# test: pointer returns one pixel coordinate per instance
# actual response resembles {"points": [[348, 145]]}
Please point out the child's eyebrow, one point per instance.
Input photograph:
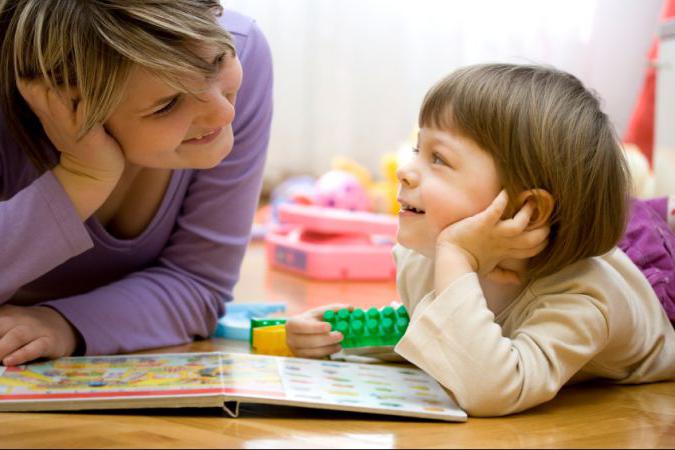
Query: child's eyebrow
{"points": [[443, 146]]}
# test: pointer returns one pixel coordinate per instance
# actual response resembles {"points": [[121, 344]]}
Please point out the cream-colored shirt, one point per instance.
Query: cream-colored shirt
{"points": [[597, 318]]}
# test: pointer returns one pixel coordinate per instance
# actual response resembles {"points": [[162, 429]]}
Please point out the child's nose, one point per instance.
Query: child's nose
{"points": [[407, 176]]}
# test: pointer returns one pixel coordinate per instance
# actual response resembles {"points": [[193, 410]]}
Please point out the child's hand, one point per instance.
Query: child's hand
{"points": [[28, 333], [481, 242], [308, 336]]}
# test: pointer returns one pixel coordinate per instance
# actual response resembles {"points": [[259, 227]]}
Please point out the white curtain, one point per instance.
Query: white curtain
{"points": [[350, 74]]}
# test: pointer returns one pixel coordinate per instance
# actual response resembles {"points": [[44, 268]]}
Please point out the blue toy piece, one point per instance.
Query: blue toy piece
{"points": [[236, 324]]}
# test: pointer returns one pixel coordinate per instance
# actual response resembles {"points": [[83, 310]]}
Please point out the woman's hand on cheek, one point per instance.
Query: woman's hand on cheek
{"points": [[96, 154], [28, 333], [90, 166], [481, 242]]}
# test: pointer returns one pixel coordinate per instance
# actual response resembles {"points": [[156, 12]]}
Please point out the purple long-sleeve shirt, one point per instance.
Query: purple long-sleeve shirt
{"points": [[169, 284]]}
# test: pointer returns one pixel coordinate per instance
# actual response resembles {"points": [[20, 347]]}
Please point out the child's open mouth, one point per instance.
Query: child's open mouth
{"points": [[411, 209]]}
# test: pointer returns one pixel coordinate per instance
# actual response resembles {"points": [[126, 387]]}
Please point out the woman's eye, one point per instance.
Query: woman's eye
{"points": [[167, 108], [219, 60], [415, 150]]}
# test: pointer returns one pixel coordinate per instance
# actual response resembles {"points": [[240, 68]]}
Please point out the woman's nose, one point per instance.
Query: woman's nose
{"points": [[218, 109]]}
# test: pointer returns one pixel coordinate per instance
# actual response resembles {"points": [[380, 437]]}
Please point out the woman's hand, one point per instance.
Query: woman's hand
{"points": [[308, 336], [89, 167], [481, 242], [28, 333]]}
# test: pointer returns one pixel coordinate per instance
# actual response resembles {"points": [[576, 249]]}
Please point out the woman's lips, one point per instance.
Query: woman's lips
{"points": [[204, 139]]}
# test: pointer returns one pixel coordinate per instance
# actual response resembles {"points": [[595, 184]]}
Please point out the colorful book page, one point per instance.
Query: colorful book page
{"points": [[142, 376], [229, 376], [363, 386]]}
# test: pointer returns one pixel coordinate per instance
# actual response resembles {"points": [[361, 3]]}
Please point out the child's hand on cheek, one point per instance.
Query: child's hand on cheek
{"points": [[481, 242], [28, 333], [308, 336]]}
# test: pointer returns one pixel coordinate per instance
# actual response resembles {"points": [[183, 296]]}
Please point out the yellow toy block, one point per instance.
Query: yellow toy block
{"points": [[270, 341]]}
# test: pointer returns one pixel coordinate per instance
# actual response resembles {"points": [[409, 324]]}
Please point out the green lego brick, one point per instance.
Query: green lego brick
{"points": [[374, 327], [263, 322]]}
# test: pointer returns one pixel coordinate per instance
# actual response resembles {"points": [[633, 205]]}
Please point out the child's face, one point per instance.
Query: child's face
{"points": [[156, 126], [448, 179]]}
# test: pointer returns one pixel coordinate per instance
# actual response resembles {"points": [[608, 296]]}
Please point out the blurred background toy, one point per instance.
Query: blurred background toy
{"points": [[642, 176], [332, 244], [236, 323], [342, 190]]}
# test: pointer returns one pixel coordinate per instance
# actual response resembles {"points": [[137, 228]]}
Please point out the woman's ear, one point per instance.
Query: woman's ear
{"points": [[543, 203]]}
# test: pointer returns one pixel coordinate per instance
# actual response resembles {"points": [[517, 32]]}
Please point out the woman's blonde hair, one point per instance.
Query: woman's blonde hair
{"points": [[91, 45], [544, 131]]}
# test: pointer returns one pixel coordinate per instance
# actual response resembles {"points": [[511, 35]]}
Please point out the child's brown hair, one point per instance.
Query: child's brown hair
{"points": [[545, 130]]}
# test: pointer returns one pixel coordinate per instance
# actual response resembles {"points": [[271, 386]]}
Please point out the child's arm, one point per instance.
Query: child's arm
{"points": [[495, 371]]}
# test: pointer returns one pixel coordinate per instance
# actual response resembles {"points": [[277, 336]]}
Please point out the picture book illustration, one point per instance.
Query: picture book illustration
{"points": [[142, 375], [398, 390]]}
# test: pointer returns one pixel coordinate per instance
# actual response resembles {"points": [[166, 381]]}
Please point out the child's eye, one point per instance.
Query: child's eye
{"points": [[166, 109], [435, 159], [415, 149]]}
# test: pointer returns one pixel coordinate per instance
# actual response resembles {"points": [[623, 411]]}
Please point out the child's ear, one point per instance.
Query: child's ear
{"points": [[543, 203]]}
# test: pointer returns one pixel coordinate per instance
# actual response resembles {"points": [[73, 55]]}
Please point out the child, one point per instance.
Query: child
{"points": [[127, 187], [512, 207]]}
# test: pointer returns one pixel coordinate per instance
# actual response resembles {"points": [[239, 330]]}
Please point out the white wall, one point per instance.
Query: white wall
{"points": [[350, 74]]}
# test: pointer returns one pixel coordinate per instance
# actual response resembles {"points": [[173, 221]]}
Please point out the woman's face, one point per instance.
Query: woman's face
{"points": [[159, 127]]}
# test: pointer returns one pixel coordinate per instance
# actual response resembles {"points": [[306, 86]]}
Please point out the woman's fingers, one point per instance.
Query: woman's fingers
{"points": [[33, 350], [14, 339], [35, 94]]}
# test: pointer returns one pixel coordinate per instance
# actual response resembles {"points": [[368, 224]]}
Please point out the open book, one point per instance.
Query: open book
{"points": [[222, 380]]}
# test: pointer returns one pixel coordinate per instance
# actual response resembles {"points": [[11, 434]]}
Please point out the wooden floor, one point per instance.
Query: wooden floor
{"points": [[583, 416]]}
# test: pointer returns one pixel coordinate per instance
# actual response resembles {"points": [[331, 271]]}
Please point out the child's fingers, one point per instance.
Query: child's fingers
{"points": [[519, 222], [495, 211], [317, 352], [531, 239], [33, 350], [528, 252], [310, 341], [300, 325]]}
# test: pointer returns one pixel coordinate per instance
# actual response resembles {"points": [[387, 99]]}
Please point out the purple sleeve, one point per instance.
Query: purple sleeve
{"points": [[183, 295], [40, 230]]}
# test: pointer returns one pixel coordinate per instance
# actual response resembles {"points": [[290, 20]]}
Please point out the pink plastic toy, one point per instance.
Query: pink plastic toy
{"points": [[333, 244], [342, 190]]}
